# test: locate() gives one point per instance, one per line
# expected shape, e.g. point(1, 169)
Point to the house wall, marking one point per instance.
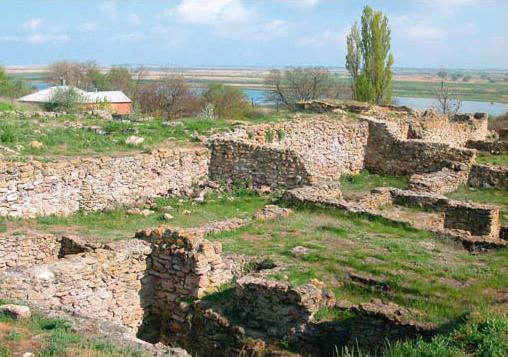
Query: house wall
point(115, 108)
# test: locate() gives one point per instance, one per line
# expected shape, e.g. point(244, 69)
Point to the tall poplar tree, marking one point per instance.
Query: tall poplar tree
point(369, 60)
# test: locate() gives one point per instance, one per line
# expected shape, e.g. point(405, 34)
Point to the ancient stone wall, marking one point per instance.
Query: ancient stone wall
point(63, 187)
point(233, 160)
point(486, 176)
point(291, 153)
point(386, 152)
point(479, 220)
point(110, 284)
point(455, 131)
point(493, 146)
point(474, 218)
point(426, 125)
point(377, 322)
point(27, 250)
point(184, 264)
point(275, 307)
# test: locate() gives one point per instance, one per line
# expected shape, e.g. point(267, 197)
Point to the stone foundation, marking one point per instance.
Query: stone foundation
point(492, 146)
point(64, 187)
point(476, 226)
point(110, 284)
point(387, 152)
point(488, 176)
point(290, 154)
point(33, 249)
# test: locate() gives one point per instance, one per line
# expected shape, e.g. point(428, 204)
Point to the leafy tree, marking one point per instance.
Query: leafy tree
point(65, 100)
point(442, 74)
point(456, 76)
point(12, 88)
point(229, 102)
point(369, 60)
point(295, 84)
point(120, 78)
point(98, 80)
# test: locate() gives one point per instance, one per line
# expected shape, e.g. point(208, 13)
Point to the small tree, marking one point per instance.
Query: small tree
point(449, 102)
point(228, 102)
point(12, 88)
point(73, 73)
point(65, 100)
point(295, 84)
point(442, 74)
point(369, 60)
point(171, 97)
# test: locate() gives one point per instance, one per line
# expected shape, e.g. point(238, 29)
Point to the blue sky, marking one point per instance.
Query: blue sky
point(425, 33)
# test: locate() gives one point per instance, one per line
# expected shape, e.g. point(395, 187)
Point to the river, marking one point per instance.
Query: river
point(468, 106)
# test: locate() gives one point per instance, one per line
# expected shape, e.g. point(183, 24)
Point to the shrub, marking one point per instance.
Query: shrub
point(65, 100)
point(295, 84)
point(171, 98)
point(229, 102)
point(269, 136)
point(7, 134)
point(281, 134)
point(208, 112)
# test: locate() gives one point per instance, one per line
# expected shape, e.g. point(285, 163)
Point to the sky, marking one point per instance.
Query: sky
point(272, 33)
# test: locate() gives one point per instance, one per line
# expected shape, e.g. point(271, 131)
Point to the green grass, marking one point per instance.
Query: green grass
point(418, 276)
point(500, 159)
point(488, 92)
point(485, 92)
point(365, 181)
point(55, 338)
point(117, 224)
point(59, 138)
point(485, 336)
point(5, 106)
point(494, 196)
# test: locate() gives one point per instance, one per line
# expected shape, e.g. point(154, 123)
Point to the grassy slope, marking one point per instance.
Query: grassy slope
point(117, 224)
point(53, 337)
point(422, 270)
point(59, 138)
point(498, 159)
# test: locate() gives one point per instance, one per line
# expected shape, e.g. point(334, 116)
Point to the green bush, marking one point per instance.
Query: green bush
point(65, 100)
point(5, 106)
point(228, 102)
point(7, 135)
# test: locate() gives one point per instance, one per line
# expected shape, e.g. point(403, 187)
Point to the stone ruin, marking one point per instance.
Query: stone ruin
point(173, 286)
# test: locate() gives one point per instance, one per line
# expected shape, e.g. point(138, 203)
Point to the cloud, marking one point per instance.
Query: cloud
point(228, 18)
point(212, 12)
point(302, 3)
point(108, 7)
point(33, 23)
point(88, 27)
point(417, 28)
point(38, 38)
point(324, 39)
point(425, 32)
point(133, 19)
point(35, 38)
point(450, 6)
